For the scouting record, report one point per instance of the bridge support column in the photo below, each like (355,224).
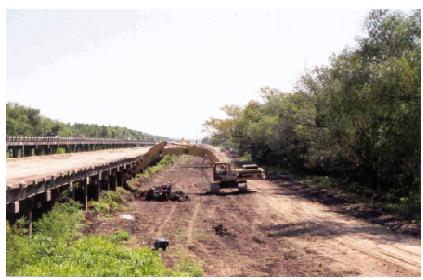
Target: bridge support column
(29,214)
(85,186)
(17,152)
(97,190)
(48,196)
(98,183)
(113,181)
(72,190)
(105,183)
(31,152)
(13,208)
(119,177)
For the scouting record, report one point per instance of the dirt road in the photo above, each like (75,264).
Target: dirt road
(269,231)
(20,169)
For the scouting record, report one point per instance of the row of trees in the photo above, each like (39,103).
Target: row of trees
(357,118)
(26,121)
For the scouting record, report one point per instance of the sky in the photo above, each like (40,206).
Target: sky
(164,72)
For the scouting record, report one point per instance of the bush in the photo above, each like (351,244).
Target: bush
(109,201)
(120,235)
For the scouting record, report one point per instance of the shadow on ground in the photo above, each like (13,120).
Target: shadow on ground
(227,193)
(323,229)
(346,204)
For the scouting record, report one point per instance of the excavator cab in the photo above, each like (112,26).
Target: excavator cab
(226,176)
(224,171)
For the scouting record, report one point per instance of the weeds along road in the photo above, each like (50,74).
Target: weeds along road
(269,231)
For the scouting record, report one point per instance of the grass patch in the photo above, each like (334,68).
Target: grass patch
(109,201)
(185,266)
(166,161)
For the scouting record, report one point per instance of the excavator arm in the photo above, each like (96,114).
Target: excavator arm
(192,150)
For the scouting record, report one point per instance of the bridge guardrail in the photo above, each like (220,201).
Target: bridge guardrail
(40,140)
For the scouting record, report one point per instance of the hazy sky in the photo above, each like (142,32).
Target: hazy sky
(163,71)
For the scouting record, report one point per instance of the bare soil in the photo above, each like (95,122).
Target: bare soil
(348,204)
(269,231)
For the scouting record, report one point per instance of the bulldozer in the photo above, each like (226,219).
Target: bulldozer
(225,174)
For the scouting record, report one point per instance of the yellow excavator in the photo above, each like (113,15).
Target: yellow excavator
(225,174)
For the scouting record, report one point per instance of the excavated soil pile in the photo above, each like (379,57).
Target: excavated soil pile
(161,193)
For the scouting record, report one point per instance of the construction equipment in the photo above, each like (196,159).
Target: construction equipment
(161,243)
(225,174)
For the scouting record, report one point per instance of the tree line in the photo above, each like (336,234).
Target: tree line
(26,121)
(358,118)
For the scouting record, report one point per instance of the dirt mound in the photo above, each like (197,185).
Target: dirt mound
(161,193)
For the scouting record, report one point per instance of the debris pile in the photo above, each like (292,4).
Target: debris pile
(222,231)
(161,193)
(179,196)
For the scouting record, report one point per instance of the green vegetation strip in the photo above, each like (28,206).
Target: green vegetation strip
(166,161)
(58,248)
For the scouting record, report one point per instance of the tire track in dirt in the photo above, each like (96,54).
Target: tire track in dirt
(192,222)
(159,230)
(273,232)
(197,206)
(368,249)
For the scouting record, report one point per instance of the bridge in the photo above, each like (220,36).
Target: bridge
(22,146)
(36,182)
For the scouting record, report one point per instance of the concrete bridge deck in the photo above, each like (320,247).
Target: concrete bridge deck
(21,146)
(26,170)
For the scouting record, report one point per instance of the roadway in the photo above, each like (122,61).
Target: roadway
(23,170)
